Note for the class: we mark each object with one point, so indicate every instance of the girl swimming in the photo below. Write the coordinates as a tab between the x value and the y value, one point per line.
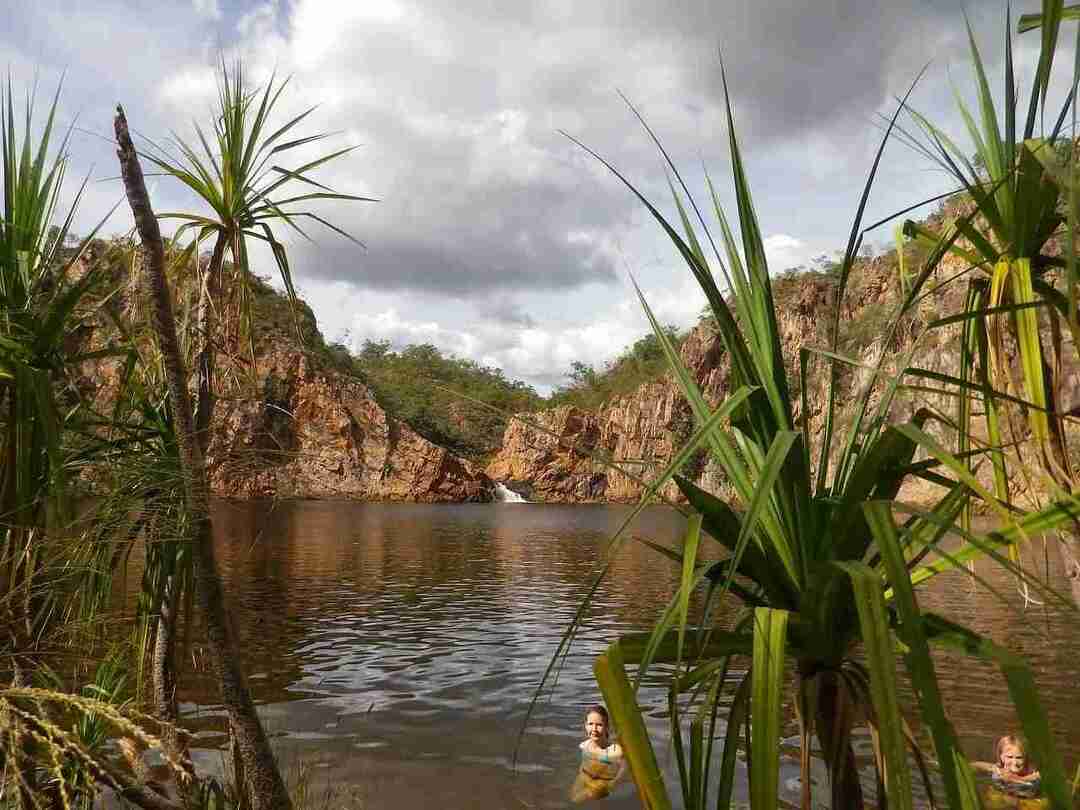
1012	774
602	761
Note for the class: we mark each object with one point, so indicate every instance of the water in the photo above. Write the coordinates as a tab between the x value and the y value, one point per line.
504	494
396	648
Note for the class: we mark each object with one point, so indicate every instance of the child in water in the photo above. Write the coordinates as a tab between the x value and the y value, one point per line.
602	761
1012	777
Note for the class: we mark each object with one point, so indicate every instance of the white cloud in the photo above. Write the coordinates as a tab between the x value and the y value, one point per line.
259	23
783	251
538	354
188	89
496	238
207	8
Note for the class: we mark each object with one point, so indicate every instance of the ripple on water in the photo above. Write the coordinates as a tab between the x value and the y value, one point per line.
418	634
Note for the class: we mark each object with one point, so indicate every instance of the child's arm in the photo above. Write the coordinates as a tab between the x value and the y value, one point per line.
623	764
984	767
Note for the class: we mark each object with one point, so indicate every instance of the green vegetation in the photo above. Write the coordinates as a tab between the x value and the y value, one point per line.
147	454
237	173
820	552
419	386
813	551
641	363
1022	295
46	569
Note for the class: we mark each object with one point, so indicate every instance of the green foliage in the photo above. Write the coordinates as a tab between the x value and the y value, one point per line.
418	383
800	541
235	171
642	362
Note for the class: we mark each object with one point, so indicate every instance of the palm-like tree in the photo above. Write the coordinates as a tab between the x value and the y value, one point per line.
1022	185
237	175
814	553
54	574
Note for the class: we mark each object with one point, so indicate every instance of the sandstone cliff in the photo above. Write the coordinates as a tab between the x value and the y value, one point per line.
316	434
641	431
287	424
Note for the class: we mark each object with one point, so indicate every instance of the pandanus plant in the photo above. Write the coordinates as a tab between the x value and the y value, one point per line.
41	302
813	552
1023	286
51	572
235	172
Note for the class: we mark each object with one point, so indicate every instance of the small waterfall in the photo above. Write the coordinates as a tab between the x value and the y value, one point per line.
504	494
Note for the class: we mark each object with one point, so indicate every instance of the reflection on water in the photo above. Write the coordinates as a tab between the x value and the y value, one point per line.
398	646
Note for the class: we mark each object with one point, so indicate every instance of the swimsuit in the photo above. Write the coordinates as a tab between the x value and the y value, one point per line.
1027	789
598	772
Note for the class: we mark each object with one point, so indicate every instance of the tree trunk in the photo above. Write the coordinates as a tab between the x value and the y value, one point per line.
263	785
204	363
163	668
1070	555
835	719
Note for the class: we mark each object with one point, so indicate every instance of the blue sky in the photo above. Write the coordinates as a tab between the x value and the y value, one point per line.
495	237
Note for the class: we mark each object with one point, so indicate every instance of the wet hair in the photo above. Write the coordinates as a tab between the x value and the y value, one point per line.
1009	739
600	710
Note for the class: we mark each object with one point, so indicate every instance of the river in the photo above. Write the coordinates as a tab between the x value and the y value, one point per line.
395	649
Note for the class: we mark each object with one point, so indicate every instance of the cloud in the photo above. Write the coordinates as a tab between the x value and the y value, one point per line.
494	234
783	251
207	8
540	355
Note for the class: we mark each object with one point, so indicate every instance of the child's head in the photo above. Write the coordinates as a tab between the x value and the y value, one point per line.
1011	754
597	725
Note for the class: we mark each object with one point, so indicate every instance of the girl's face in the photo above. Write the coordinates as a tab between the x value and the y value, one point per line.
1013	758
595	727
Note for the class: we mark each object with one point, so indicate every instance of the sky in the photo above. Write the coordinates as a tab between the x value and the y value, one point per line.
495	237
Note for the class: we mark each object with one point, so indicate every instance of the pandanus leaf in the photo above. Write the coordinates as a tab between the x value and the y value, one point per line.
919	663
689	573
881	662
737	715
725	526
1027	334
1029	22
621	700
766	705
878	473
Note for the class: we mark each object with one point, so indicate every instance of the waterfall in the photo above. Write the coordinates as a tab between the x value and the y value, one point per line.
504	494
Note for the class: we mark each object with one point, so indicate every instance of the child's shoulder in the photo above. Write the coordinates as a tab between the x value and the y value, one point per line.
590	747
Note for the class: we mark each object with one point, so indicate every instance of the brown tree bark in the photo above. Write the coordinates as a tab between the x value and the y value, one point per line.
163	668
1070	556
835	718
263	786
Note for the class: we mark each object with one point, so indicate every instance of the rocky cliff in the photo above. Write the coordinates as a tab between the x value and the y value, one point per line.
565	460
286	424
317	434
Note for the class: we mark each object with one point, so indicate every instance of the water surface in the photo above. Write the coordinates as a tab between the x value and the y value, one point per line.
396	648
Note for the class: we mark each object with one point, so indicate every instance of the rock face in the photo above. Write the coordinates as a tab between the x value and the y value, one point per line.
641	432
563	462
317	434
290	425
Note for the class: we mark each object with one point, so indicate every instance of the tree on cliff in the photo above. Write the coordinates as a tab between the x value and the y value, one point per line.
418	383
236	176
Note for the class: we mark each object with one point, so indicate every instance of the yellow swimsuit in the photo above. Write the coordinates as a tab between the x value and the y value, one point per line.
600	767
1004	793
